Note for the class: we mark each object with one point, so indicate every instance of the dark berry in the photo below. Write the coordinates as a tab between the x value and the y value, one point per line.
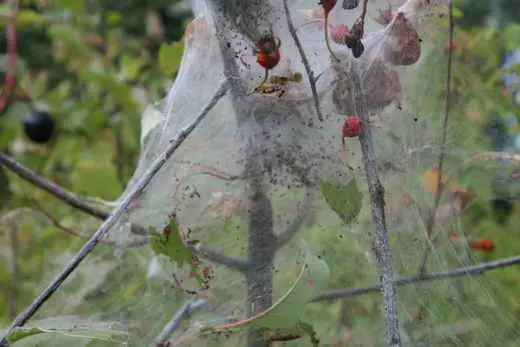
39	126
357	48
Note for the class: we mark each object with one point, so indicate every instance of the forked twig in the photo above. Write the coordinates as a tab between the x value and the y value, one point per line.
434	276
305	61
134	192
50	187
430	223
71	199
175	321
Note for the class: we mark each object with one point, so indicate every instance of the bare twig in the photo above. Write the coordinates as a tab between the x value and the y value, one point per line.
377	198
402	281
134	192
219	258
179	316
430	224
56	223
71	199
50	187
305	61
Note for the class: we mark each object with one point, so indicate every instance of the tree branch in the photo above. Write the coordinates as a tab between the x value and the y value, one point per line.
72	199
219	258
377	198
305	61
50	187
179	316
134	192
402	281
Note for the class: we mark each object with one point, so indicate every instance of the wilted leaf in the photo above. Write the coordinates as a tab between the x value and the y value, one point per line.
170	243
344	200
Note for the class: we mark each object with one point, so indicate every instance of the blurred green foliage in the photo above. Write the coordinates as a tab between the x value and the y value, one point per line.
95	66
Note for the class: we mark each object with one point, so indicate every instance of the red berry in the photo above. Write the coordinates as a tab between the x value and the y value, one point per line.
482	245
352	127
267	51
327	5
268	60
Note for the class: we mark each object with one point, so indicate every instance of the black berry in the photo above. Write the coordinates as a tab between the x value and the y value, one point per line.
39	126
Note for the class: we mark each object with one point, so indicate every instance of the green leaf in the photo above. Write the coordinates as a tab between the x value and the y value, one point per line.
67	329
345	201
170	56
169	243
21	333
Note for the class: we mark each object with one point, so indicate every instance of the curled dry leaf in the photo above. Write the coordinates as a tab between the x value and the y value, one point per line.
402	44
380	88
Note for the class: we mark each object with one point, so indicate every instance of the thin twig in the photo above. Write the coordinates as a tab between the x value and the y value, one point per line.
305	61
402	281
179	316
219	258
363	16
71	199
377	198
134	192
430	224
50	187
56	223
